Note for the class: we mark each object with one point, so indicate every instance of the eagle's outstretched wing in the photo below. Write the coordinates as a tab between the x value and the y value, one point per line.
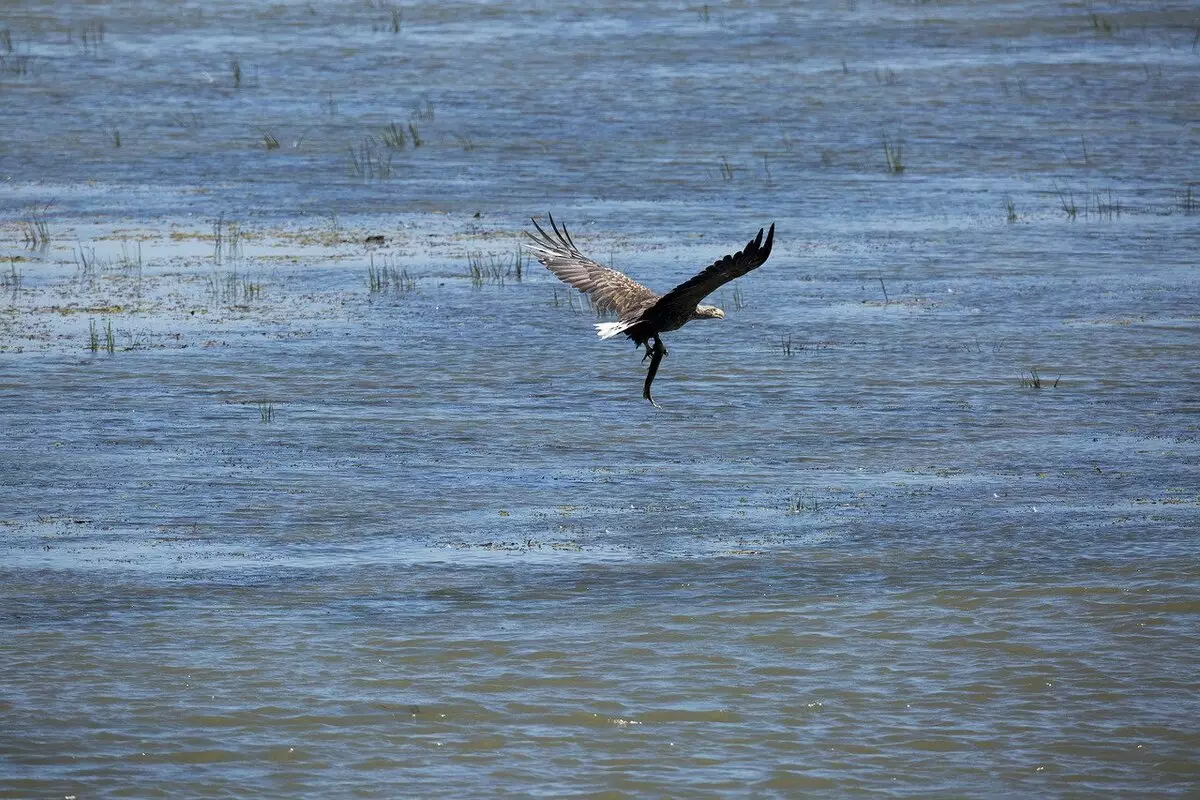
689	293
609	290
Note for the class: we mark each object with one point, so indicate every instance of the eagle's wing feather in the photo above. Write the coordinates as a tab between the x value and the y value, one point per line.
608	289
689	293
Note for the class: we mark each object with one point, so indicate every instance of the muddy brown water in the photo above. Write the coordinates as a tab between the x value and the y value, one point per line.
918	518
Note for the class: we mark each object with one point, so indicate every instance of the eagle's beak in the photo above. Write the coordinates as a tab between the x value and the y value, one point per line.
720	314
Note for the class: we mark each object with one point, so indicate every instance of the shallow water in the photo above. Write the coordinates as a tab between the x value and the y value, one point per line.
293	536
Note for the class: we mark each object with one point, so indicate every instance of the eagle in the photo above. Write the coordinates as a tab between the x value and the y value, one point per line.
643	315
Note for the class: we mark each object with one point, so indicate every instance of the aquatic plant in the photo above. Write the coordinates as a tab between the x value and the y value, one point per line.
110	340
726	169
802	502
1103	25
11	280
1010	208
266	411
235	68
227	240
497	270
394	137
1067	200
415	135
269	141
370	159
35	231
1105	206
785	344
114	136
93	337
893	153
387	276
1187	198
1034	380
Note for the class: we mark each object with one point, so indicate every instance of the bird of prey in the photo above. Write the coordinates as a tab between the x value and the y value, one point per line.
643	315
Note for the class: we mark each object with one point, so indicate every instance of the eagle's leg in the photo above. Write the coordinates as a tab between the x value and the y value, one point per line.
656	355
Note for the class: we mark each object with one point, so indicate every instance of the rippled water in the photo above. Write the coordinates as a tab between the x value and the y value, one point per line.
293	536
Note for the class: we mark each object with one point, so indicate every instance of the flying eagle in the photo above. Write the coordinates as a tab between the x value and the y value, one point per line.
643	315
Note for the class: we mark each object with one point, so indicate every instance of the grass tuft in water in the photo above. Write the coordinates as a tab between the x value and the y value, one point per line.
11	281
388	276
1187	200
726	170
114	136
371	159
1034	381
491	268
110	339
415	136
269	141
394	137
1103	25
1066	199
235	69
1105	206
785	345
227	240
93	336
266	411
35	231
893	153
1010	209
803	503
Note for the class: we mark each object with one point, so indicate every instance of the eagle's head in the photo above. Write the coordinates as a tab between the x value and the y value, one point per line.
708	312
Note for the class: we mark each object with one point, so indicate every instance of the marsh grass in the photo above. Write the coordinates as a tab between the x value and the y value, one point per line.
726	170
1186	200
424	112
114	136
414	135
93	336
110	339
266	411
235	71
35	230
1103	25
394	137
232	289
6	44
370	159
270	142
893	153
388	276
227	240
803	502
1103	205
498	269
1010	209
785	345
91	36
1034	381
1066	199
739	300
11	281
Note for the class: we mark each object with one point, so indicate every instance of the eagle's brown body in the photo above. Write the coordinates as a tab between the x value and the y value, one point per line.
642	314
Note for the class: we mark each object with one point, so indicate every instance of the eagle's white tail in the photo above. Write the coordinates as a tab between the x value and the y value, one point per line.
607	330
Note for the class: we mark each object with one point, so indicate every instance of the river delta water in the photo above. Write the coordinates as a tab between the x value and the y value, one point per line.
288	510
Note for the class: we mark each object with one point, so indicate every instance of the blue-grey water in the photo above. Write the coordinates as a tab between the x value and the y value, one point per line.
284	514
